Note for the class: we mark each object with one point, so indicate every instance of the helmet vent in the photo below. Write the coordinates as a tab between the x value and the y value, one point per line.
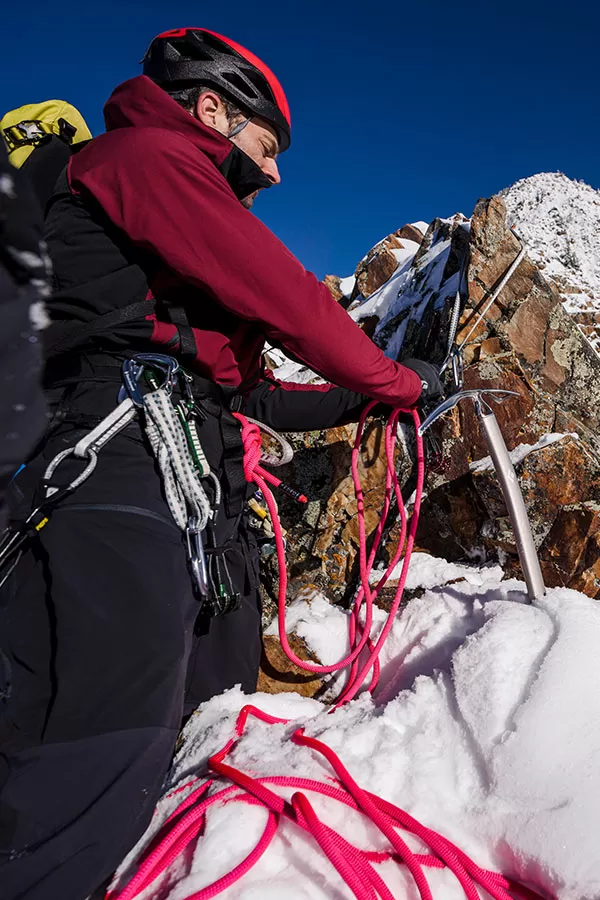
238	82
215	44
258	81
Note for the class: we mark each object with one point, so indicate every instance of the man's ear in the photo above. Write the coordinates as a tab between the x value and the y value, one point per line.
209	110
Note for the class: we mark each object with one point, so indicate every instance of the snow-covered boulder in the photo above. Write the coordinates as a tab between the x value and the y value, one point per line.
486	728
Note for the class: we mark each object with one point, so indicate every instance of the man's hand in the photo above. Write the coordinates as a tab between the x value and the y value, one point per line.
430	379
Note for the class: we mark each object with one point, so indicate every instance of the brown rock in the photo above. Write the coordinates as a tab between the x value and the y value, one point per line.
378	268
279	675
526	330
333	283
587	577
410	233
568	556
559	475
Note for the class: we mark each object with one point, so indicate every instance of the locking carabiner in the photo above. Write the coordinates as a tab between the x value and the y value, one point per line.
133	369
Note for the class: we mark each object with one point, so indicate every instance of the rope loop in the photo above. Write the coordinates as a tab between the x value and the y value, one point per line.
359	630
355	866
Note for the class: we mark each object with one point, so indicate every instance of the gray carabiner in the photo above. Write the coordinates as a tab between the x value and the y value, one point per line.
196	555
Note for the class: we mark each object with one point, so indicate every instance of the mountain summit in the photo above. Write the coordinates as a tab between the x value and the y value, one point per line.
559	219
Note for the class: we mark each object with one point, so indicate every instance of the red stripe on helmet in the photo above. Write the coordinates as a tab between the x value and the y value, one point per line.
175	32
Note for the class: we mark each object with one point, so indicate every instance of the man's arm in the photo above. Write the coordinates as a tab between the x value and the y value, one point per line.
171	200
287	406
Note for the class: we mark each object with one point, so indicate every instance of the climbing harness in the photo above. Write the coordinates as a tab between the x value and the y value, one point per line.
226	784
173	437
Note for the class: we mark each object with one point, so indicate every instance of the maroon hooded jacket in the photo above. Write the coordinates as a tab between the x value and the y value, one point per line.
149	212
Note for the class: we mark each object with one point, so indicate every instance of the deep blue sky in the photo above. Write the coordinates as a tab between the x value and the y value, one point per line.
400	111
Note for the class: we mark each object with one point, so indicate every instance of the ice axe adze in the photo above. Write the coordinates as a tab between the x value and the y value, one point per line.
511	491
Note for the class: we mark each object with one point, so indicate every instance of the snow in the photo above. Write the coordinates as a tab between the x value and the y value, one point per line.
486	727
523	450
406	295
559	219
426	571
347	285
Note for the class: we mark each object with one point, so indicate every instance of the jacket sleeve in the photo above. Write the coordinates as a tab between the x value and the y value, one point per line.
287	406
170	199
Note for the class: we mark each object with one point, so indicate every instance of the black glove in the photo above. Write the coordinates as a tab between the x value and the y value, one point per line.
430	378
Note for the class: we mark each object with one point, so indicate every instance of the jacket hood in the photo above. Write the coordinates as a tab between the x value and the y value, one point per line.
139	102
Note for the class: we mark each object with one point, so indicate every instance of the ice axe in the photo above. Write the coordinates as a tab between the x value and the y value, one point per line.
505	471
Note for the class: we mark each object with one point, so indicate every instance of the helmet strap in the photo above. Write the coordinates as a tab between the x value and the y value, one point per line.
237	128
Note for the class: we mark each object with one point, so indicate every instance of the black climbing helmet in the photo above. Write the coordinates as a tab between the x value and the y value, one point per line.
179	58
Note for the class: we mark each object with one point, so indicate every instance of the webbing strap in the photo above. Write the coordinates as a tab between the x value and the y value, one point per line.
188	350
111	425
220	407
63	336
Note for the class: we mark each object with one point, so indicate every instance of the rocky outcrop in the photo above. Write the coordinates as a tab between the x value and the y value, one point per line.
558	217
526	343
381	262
279	675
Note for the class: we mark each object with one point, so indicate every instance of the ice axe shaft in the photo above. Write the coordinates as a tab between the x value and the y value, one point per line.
513	498
507	477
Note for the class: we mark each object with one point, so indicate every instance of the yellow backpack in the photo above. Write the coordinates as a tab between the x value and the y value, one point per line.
29	126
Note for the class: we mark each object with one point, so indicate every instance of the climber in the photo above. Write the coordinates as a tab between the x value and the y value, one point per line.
40	138
154	247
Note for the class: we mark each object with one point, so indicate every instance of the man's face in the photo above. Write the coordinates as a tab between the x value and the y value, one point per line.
257	139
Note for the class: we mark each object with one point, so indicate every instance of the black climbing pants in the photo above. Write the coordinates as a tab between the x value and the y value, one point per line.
102	649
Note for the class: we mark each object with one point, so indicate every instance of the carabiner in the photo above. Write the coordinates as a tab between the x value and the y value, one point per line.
133	369
196	555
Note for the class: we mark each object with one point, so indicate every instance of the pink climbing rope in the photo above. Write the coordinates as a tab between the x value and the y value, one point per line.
359	633
355	866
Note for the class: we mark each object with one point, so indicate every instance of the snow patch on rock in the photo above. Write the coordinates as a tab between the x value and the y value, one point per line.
522	451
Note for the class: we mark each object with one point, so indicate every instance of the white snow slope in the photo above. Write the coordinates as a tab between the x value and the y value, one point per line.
559	218
486	727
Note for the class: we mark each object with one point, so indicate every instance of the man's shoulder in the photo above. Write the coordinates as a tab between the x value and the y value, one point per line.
138	147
